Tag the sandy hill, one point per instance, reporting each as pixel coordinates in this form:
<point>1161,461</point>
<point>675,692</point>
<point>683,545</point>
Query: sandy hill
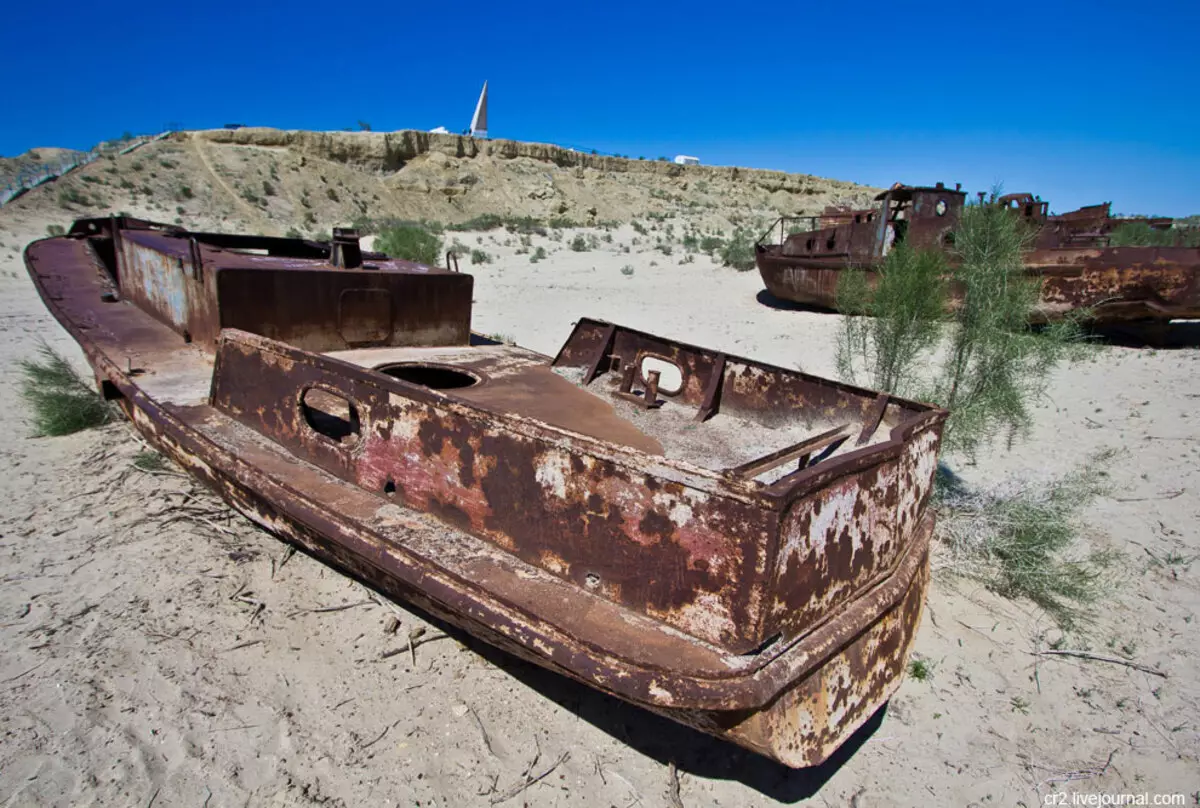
<point>11,167</point>
<point>272,181</point>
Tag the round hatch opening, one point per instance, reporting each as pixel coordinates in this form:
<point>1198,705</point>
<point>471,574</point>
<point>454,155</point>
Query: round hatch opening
<point>435,377</point>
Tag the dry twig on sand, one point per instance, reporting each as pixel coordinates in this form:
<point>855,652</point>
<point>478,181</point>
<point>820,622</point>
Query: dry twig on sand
<point>1101,658</point>
<point>528,779</point>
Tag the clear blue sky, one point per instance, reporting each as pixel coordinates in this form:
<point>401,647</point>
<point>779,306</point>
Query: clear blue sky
<point>1079,102</point>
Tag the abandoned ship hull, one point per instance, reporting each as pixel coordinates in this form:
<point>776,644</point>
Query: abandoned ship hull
<point>795,698</point>
<point>1112,284</point>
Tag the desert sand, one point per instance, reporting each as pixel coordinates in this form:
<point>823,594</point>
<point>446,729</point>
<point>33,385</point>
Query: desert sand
<point>160,650</point>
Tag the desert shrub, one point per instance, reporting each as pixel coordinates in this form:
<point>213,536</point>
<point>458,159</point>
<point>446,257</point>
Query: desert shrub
<point>691,241</point>
<point>332,194</point>
<point>538,255</point>
<point>638,227</point>
<point>993,365</point>
<point>1020,539</point>
<point>627,271</point>
<point>268,189</point>
<point>738,252</point>
<point>62,402</point>
<point>71,196</point>
<point>1141,234</point>
<point>184,192</point>
<point>480,257</point>
<point>982,361</point>
<point>889,329</point>
<point>486,221</point>
<point>710,244</point>
<point>411,243</point>
<point>150,461</point>
<point>579,243</point>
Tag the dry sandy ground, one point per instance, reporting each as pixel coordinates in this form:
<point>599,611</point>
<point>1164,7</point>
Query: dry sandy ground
<point>157,651</point>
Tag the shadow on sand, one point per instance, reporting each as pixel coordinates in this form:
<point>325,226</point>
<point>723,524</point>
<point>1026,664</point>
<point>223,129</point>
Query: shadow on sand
<point>665,741</point>
<point>1172,335</point>
<point>770,301</point>
<point>659,738</point>
<point>1168,335</point>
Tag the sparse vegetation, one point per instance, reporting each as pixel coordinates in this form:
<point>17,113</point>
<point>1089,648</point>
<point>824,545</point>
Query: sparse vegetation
<point>411,243</point>
<point>920,670</point>
<point>538,255</point>
<point>62,402</point>
<point>738,252</point>
<point>993,364</point>
<point>627,271</point>
<point>150,461</point>
<point>480,257</point>
<point>579,243</point>
<point>1019,539</point>
<point>68,195</point>
<point>1141,234</point>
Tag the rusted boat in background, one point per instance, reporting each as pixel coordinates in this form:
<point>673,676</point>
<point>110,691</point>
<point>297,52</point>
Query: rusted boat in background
<point>801,258</point>
<point>736,546</point>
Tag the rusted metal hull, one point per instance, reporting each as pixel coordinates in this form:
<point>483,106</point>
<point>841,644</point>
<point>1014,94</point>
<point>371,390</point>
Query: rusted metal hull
<point>1070,259</point>
<point>538,514</point>
<point>1116,284</point>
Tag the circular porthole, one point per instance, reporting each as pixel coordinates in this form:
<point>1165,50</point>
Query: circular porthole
<point>940,207</point>
<point>435,377</point>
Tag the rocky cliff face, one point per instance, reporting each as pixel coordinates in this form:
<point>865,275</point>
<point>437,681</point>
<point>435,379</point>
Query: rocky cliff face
<point>451,177</point>
<point>275,182</point>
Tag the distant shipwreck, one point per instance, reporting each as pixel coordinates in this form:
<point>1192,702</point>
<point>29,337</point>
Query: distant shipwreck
<point>801,258</point>
<point>739,547</point>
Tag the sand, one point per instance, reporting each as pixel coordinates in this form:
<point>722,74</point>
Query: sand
<point>154,655</point>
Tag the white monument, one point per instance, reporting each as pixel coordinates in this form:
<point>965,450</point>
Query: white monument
<point>479,122</point>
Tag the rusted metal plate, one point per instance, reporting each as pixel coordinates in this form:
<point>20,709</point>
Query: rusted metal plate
<point>1071,259</point>
<point>733,557</point>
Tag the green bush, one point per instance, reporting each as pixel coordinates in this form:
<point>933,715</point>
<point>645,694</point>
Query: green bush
<point>411,243</point>
<point>898,323</point>
<point>1141,234</point>
<point>1021,539</point>
<point>62,402</point>
<point>480,257</point>
<point>738,252</point>
<point>579,243</point>
<point>486,221</point>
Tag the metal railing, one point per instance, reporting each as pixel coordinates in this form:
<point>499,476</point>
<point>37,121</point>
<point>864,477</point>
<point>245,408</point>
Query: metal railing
<point>33,176</point>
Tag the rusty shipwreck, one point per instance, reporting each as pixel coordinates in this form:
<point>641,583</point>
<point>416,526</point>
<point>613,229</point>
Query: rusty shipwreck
<point>739,547</point>
<point>800,258</point>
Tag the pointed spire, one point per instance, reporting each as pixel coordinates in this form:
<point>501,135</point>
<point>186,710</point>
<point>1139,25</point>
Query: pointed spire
<point>479,122</point>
